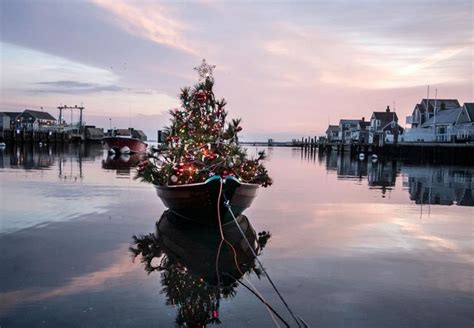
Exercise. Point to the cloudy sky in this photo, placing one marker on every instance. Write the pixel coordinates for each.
(286, 68)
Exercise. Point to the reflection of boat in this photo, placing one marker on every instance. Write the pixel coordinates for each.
(123, 141)
(197, 269)
(121, 161)
(196, 246)
(2, 145)
(204, 202)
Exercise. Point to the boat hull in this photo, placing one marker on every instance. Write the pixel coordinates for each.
(205, 202)
(118, 145)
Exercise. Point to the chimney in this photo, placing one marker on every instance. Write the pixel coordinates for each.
(388, 109)
(363, 119)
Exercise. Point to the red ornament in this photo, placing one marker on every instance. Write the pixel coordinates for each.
(201, 96)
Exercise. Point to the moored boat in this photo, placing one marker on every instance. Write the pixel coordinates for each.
(206, 202)
(124, 141)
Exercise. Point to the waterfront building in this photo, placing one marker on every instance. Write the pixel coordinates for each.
(92, 133)
(360, 134)
(446, 125)
(468, 109)
(33, 120)
(8, 120)
(332, 133)
(346, 127)
(384, 127)
(426, 109)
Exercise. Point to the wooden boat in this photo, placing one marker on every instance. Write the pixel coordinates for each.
(204, 202)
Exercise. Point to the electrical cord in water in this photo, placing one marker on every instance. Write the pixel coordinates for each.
(261, 299)
(235, 256)
(227, 204)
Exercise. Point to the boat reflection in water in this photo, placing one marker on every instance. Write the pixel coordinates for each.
(197, 269)
(122, 163)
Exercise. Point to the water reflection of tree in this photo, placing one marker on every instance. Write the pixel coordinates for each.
(186, 260)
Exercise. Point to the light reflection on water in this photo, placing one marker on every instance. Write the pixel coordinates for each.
(354, 243)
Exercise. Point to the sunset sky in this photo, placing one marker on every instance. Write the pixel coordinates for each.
(285, 69)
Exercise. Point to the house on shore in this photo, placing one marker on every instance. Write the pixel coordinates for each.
(346, 127)
(360, 134)
(92, 133)
(445, 125)
(465, 129)
(332, 133)
(427, 108)
(384, 127)
(34, 120)
(468, 109)
(8, 120)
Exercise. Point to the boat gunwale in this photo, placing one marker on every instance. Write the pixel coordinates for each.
(123, 137)
(208, 181)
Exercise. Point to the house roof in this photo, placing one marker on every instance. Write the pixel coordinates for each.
(470, 110)
(385, 117)
(40, 115)
(448, 116)
(348, 121)
(332, 128)
(448, 104)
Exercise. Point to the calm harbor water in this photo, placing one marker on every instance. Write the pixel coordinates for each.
(353, 244)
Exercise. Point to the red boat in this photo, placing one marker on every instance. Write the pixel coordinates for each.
(126, 141)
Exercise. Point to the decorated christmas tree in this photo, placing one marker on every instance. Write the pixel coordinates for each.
(200, 143)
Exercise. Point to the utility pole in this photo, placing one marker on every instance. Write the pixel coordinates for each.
(434, 117)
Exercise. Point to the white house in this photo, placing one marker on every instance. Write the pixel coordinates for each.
(426, 109)
(445, 125)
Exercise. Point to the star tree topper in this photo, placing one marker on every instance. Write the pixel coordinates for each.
(205, 71)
